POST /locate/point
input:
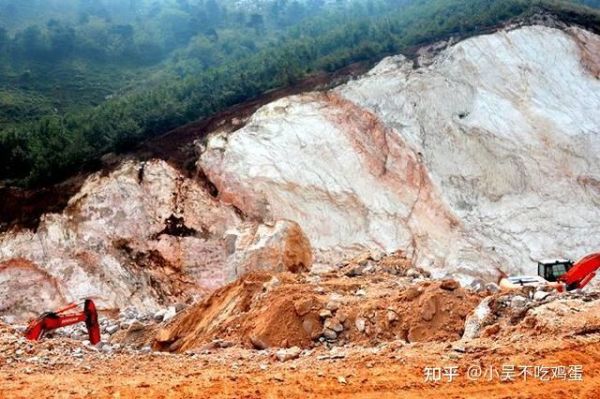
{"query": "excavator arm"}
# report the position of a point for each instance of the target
(52, 320)
(582, 272)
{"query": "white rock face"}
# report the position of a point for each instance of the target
(349, 181)
(486, 157)
(142, 236)
(278, 247)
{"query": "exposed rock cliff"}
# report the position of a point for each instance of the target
(483, 155)
(141, 236)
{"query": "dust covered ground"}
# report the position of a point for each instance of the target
(387, 371)
(368, 329)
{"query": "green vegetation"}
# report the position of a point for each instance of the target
(107, 74)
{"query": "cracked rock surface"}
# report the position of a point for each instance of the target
(142, 236)
(482, 155)
(485, 157)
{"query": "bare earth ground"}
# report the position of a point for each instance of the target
(396, 371)
(393, 331)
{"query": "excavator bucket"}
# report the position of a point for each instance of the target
(91, 321)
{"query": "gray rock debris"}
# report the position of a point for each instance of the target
(481, 317)
(284, 355)
(492, 287)
(329, 334)
(541, 295)
(112, 329)
(518, 302)
(360, 324)
(334, 324)
(159, 315)
(170, 313)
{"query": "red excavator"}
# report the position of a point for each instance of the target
(564, 275)
(65, 317)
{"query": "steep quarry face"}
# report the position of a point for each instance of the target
(143, 236)
(484, 155)
(347, 179)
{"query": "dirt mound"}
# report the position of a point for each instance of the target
(253, 311)
(285, 322)
(263, 310)
(430, 311)
(519, 313)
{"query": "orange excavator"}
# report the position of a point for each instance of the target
(563, 275)
(49, 321)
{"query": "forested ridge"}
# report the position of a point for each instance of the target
(108, 74)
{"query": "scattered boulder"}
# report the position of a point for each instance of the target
(258, 343)
(412, 293)
(449, 285)
(329, 334)
(360, 324)
(112, 329)
(518, 302)
(355, 271)
(159, 315)
(107, 348)
(135, 326)
(284, 355)
(477, 285)
(479, 318)
(170, 313)
(541, 295)
(334, 302)
(492, 287)
(334, 325)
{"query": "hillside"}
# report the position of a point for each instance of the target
(356, 210)
(83, 108)
(382, 163)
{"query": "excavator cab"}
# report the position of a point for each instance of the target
(552, 270)
(562, 274)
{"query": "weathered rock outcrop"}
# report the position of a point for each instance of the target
(140, 236)
(278, 247)
(483, 155)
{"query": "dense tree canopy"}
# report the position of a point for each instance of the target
(99, 76)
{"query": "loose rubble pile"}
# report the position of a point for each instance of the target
(52, 351)
(364, 301)
(74, 340)
(371, 307)
(370, 300)
(533, 312)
